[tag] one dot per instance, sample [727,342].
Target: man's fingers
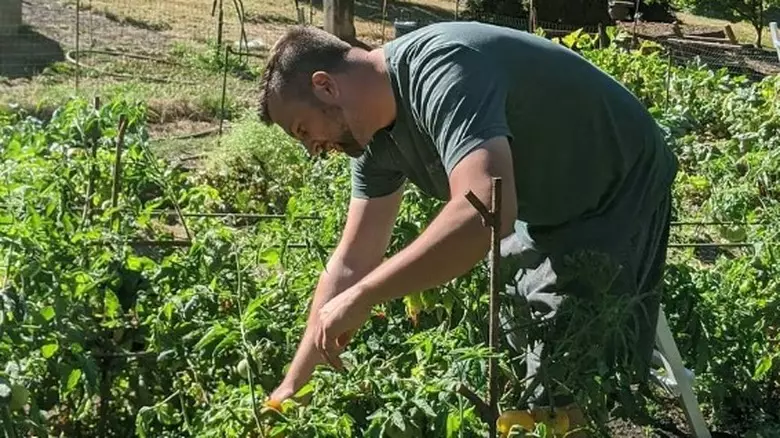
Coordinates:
[344,339]
[333,354]
[328,348]
[322,346]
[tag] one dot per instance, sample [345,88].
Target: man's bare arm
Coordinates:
[456,240]
[362,246]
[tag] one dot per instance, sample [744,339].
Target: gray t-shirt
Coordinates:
[585,151]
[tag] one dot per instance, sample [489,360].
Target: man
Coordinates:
[447,107]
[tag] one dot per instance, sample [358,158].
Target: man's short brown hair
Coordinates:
[293,59]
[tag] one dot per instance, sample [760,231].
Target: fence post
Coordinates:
[635,40]
[339,18]
[78,48]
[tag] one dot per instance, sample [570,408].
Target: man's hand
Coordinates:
[362,247]
[338,320]
[283,392]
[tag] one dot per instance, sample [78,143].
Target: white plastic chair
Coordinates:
[677,379]
[775,37]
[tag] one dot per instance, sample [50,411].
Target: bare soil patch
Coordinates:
[57,21]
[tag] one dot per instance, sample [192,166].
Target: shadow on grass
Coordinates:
[269,19]
[371,10]
[28,53]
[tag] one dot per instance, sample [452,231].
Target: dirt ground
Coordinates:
[49,34]
[57,21]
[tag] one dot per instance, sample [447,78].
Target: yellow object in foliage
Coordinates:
[510,418]
[557,422]
[274,404]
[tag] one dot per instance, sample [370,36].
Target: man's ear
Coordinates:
[325,87]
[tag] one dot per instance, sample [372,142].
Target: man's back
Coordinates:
[583,146]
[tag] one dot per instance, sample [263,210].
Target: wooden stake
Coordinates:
[730,34]
[340,18]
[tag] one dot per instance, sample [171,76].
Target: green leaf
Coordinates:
[73,379]
[136,263]
[453,423]
[228,341]
[398,420]
[270,257]
[111,303]
[214,333]
[48,350]
[764,365]
[305,390]
[48,313]
[425,407]
[168,310]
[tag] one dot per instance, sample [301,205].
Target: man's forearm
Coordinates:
[454,242]
[331,283]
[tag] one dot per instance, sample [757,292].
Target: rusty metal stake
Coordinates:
[492,219]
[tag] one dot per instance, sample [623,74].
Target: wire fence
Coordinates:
[86,47]
[208,53]
[70,30]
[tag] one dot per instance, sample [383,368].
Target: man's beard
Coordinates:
[349,145]
[346,142]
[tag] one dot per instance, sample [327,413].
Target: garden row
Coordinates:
[106,331]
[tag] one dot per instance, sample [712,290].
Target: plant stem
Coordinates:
[118,172]
[237,255]
[87,212]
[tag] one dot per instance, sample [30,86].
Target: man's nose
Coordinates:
[313,148]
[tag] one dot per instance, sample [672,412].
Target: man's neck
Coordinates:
[374,88]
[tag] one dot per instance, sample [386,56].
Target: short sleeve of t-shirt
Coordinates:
[372,176]
[459,99]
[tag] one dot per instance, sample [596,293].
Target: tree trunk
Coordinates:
[10,17]
[573,12]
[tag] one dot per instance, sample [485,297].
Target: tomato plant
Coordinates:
[105,334]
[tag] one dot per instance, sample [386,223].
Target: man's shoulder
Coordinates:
[427,40]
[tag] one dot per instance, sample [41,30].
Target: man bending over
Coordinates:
[447,107]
